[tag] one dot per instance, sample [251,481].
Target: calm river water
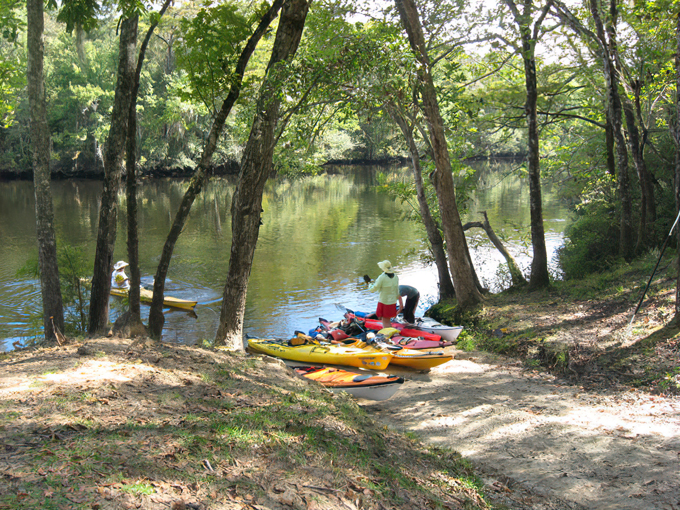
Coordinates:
[319,236]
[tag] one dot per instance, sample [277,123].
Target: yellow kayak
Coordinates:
[411,358]
[315,353]
[146,296]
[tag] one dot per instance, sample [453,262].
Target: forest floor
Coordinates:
[573,409]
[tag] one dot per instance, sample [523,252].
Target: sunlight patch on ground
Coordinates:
[93,371]
[458,367]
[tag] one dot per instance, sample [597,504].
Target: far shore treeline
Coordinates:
[584,95]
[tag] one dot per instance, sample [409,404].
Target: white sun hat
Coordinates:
[120,265]
[386,266]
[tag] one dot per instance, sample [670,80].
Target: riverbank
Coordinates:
[116,423]
[584,331]
[60,172]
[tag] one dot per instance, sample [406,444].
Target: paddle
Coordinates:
[343,308]
[367,278]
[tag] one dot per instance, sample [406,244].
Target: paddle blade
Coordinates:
[367,278]
[343,308]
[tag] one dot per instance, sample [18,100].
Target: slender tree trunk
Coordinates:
[641,168]
[607,49]
[467,292]
[607,41]
[446,290]
[648,181]
[529,30]
[201,175]
[80,45]
[256,166]
[53,313]
[645,176]
[539,277]
[627,247]
[131,187]
[609,141]
[113,167]
[676,138]
[131,197]
[636,142]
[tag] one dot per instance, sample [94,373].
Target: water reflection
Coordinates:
[504,195]
[318,236]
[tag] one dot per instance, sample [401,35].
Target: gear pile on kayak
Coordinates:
[357,341]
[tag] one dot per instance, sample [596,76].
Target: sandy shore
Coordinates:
[544,444]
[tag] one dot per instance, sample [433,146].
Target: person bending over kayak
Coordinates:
[412,296]
[387,285]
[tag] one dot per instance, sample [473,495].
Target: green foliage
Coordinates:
[12,61]
[72,277]
[591,242]
[211,44]
[81,13]
[11,22]
[72,263]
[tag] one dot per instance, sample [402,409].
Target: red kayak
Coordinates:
[422,341]
[410,342]
[403,329]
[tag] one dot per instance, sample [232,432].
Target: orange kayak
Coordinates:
[368,386]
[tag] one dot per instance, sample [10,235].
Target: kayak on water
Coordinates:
[146,296]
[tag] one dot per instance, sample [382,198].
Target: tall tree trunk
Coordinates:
[645,176]
[201,175]
[53,313]
[676,138]
[113,167]
[627,246]
[256,166]
[638,160]
[529,30]
[446,290]
[80,45]
[609,141]
[467,292]
[607,50]
[539,277]
[131,195]
[607,41]
[131,171]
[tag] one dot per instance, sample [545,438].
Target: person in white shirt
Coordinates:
[119,280]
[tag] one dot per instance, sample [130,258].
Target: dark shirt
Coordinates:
[408,291]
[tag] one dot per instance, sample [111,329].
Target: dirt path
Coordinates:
[543,444]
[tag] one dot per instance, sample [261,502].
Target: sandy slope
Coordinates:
[544,444]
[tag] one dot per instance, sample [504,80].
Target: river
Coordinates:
[319,235]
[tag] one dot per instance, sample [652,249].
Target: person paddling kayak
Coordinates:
[119,280]
[387,284]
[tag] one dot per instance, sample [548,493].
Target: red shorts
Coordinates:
[387,311]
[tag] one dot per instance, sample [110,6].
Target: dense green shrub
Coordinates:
[591,243]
